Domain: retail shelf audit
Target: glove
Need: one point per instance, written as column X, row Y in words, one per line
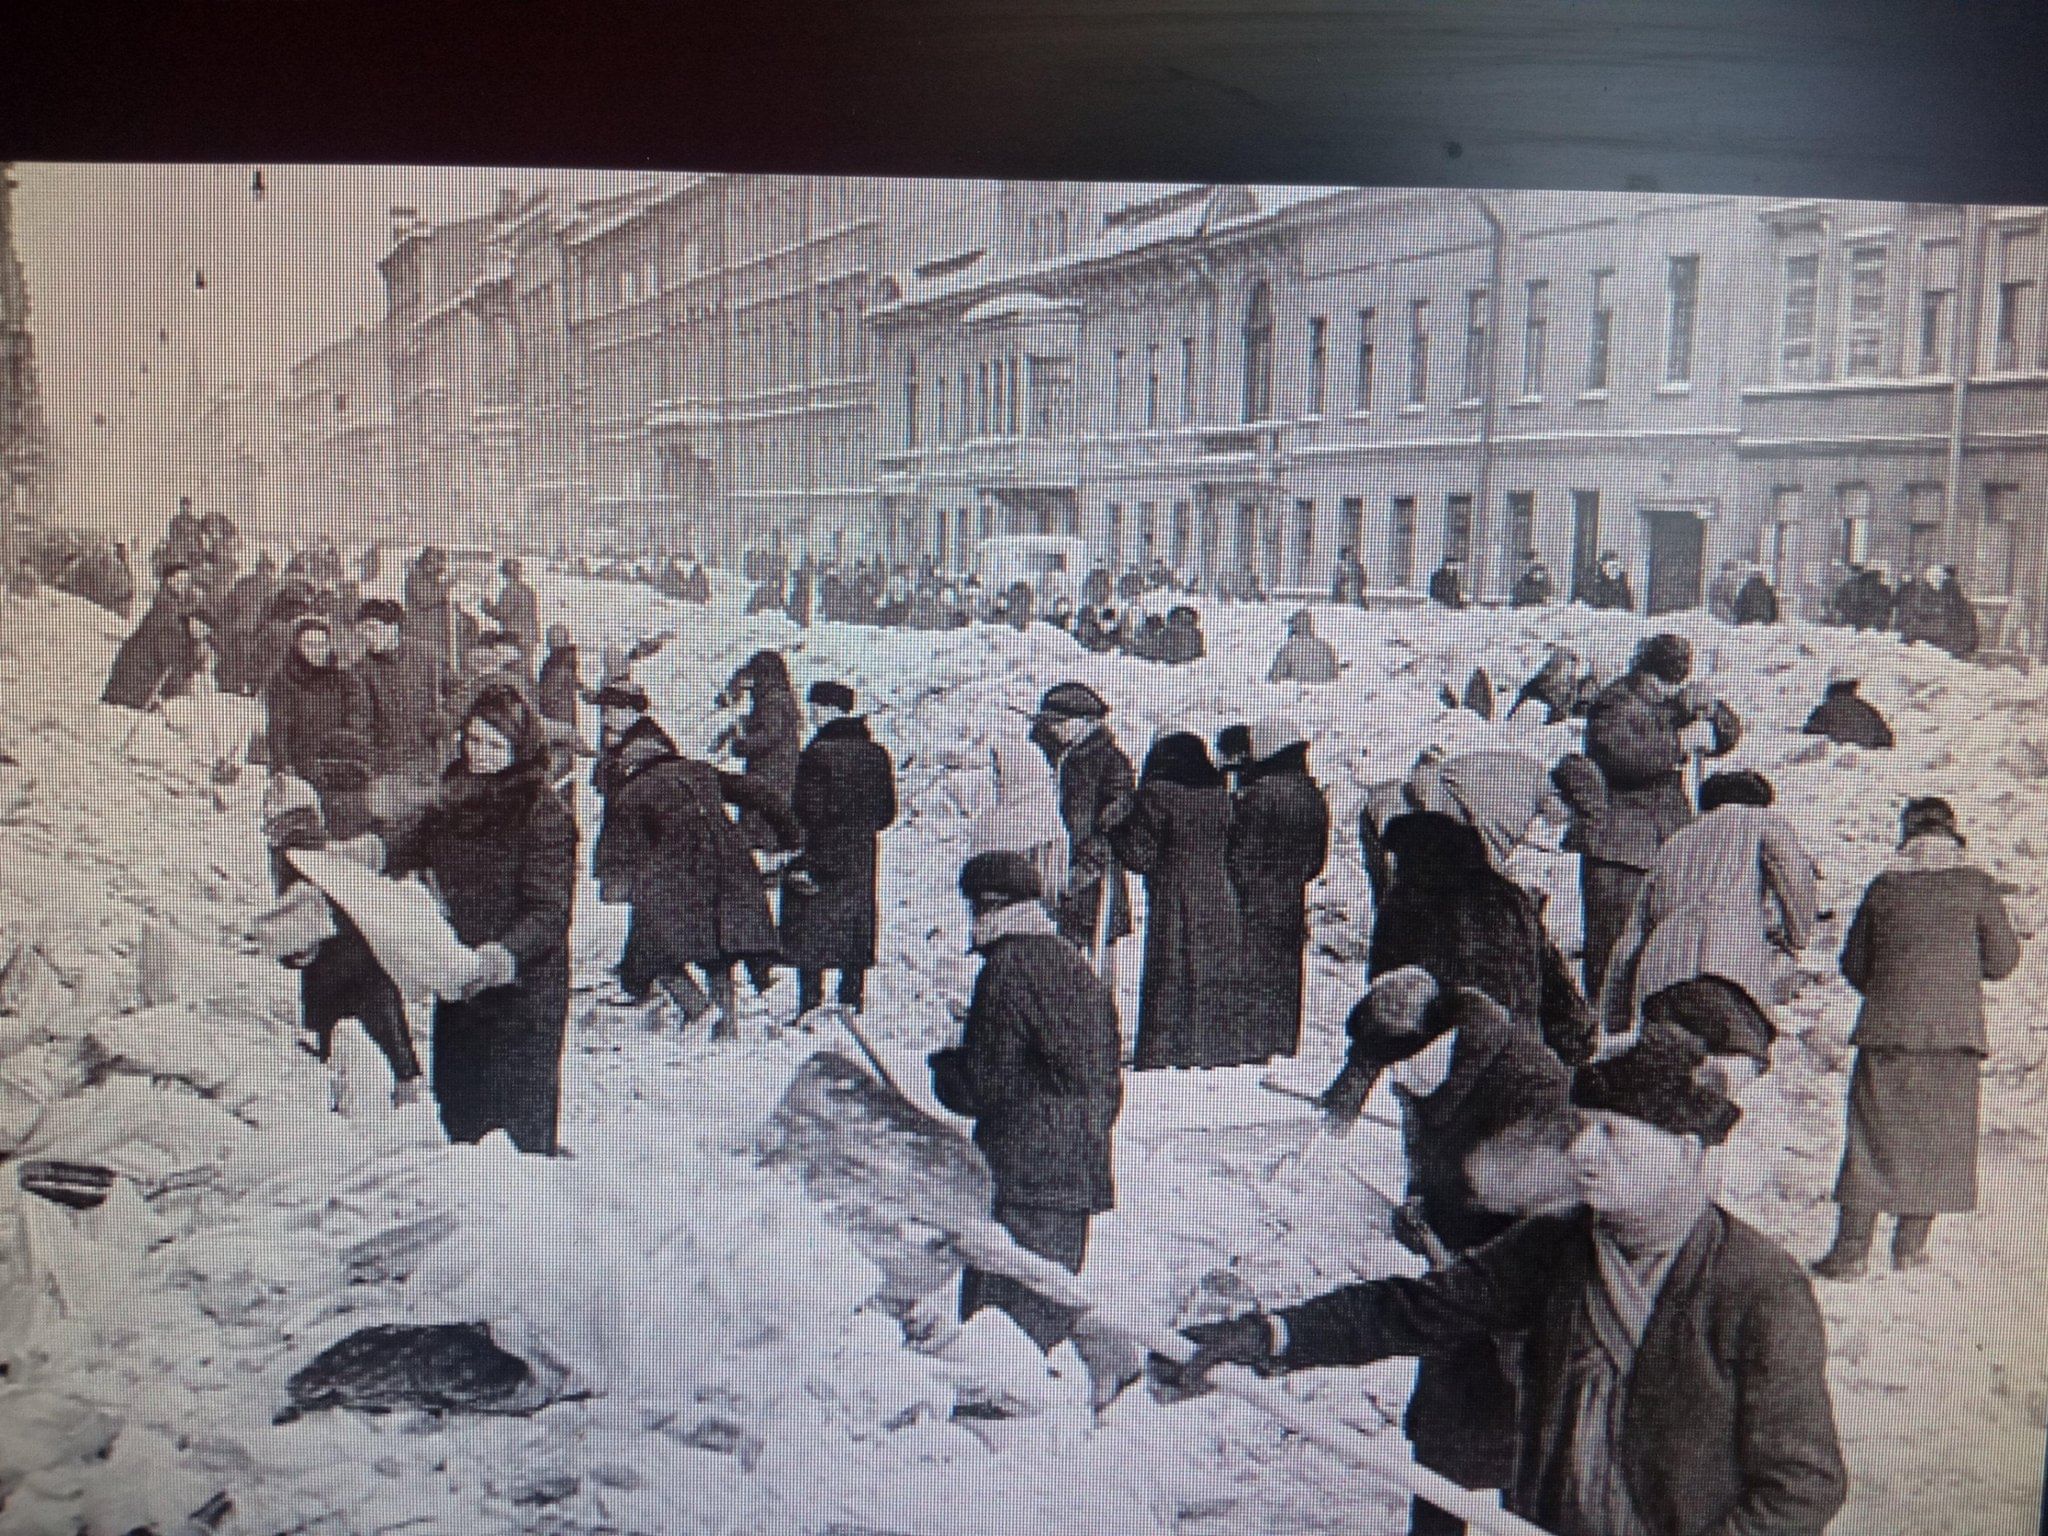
column 495, row 968
column 1244, row 1340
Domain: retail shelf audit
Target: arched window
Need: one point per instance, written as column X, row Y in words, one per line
column 1258, row 355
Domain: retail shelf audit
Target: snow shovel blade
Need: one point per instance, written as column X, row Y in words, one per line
column 896, row 1180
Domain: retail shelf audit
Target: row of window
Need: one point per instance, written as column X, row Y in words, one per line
column 1800, row 550
column 1008, row 396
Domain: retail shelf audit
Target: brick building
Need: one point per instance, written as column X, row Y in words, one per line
column 336, row 422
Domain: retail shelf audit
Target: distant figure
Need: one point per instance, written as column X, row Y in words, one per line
column 1932, row 609
column 1606, row 586
column 1559, row 686
column 1305, row 657
column 1845, row 716
column 159, row 650
column 1347, row 582
column 1865, row 599
column 560, row 683
column 1723, row 590
column 1097, row 588
column 1447, row 585
column 1182, row 643
column 1757, row 601
column 517, row 609
column 1279, row 842
column 1533, row 588
column 429, row 606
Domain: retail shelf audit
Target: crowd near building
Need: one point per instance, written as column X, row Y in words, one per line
column 1259, row 386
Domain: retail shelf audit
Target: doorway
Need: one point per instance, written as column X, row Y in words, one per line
column 1677, row 544
column 1247, row 547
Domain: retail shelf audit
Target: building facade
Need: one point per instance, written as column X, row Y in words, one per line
column 337, row 437
column 24, row 439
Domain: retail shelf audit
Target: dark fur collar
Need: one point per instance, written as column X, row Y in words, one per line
column 851, row 728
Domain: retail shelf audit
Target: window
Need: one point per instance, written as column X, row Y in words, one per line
column 1148, row 531
column 1925, row 514
column 939, row 409
column 1798, row 316
column 1187, row 381
column 2014, row 300
column 1475, row 344
column 1012, row 418
column 1599, row 333
column 1997, row 566
column 966, row 405
column 1052, row 392
column 1585, row 536
column 1682, row 287
column 1418, row 351
column 1862, row 358
column 1854, row 503
column 995, row 398
column 1177, row 542
column 1318, row 363
column 1258, row 355
column 1351, row 524
column 1361, row 388
column 2013, row 319
column 1401, row 543
column 910, row 400
column 341, row 404
column 1457, row 527
column 1521, row 529
column 981, row 401
column 1113, row 535
column 1152, row 385
column 1116, row 389
column 1535, row 329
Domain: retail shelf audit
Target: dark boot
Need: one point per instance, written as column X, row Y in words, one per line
column 1849, row 1259
column 1909, row 1242
column 853, row 988
column 810, row 991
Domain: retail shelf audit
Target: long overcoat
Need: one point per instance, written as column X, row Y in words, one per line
column 1279, row 841
column 1727, row 1424
column 1633, row 739
column 502, row 851
column 1191, row 996
column 154, row 655
column 1036, row 1069
column 318, row 724
column 406, row 724
column 1093, row 775
column 845, row 796
column 769, row 741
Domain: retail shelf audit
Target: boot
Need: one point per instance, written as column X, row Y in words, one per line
column 1849, row 1258
column 1909, row 1242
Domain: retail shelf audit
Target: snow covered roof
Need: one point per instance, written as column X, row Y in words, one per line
column 1018, row 306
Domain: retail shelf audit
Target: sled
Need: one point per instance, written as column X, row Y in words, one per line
column 914, row 1194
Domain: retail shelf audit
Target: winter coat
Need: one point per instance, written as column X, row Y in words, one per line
column 845, row 796
column 502, row 851
column 1305, row 659
column 1499, row 794
column 1453, row 915
column 1731, row 896
column 1943, row 618
column 241, row 616
column 429, row 599
column 1447, row 588
column 1633, row 740
column 1600, row 590
column 1727, row 1424
column 1865, row 601
column 1532, row 589
column 319, row 724
column 1191, row 996
column 668, row 847
column 1923, row 943
column 1182, row 642
column 560, row 685
column 769, row 741
column 1722, row 592
column 1279, row 841
column 1093, row 774
column 1757, row 602
column 406, row 724
column 1037, row 1071
column 154, row 657
column 1845, row 716
column 517, row 612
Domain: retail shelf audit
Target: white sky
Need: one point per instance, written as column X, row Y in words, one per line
column 111, row 252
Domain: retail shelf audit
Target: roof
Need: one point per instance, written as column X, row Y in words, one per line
column 1017, row 306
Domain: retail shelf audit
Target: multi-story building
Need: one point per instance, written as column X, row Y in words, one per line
column 237, row 440
column 24, row 441
column 336, row 422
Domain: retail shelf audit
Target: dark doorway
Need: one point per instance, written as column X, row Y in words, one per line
column 1247, row 550
column 1585, row 536
column 1677, row 546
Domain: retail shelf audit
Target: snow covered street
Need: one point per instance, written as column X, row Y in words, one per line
column 721, row 1372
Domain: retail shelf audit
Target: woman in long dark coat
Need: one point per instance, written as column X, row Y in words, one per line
column 501, row 847
column 1173, row 829
column 1279, row 842
column 1930, row 932
column 845, row 796
column 318, row 720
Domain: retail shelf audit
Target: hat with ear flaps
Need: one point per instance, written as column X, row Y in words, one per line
column 1655, row 1080
column 1930, row 816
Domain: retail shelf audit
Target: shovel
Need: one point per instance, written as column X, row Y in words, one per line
column 914, row 1194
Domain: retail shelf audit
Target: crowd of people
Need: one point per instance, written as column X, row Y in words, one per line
column 1601, row 1340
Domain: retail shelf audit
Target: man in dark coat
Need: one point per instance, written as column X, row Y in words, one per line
column 1447, row 585
column 1933, row 609
column 318, row 726
column 669, row 850
column 517, row 609
column 845, row 796
column 1533, row 588
column 1756, row 601
column 430, row 606
column 158, row 650
column 1183, row 642
column 241, row 616
column 1674, row 1374
column 560, row 685
column 406, row 694
column 1468, row 1080
column 1640, row 732
column 1279, row 842
column 1865, row 599
column 1606, row 585
column 1348, row 580
column 1036, row 1070
column 1093, row 772
column 1845, row 716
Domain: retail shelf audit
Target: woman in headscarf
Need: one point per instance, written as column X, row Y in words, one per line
column 1023, row 811
column 501, row 849
column 1174, row 830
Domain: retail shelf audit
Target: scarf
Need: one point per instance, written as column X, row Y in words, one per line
column 1018, row 919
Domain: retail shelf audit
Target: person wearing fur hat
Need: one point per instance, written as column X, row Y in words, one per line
column 1036, row 1070
column 1728, row 900
column 1640, row 732
column 845, row 798
column 405, row 686
column 1173, row 830
column 1305, row 657
column 1674, row 1362
column 1930, row 931
column 1279, row 842
column 668, row 850
column 1845, row 716
column 501, row 848
column 1072, row 728
column 318, row 724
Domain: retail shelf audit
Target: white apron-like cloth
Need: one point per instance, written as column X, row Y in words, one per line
column 1023, row 813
